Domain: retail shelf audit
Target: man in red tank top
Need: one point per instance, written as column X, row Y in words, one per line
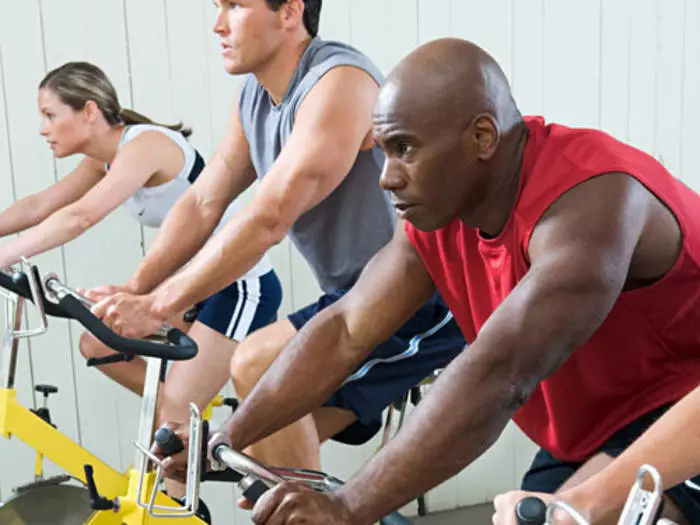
column 571, row 262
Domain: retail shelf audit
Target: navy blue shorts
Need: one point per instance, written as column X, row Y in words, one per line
column 547, row 474
column 243, row 307
column 426, row 342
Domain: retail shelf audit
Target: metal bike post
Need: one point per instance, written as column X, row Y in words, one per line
column 148, row 405
column 10, row 346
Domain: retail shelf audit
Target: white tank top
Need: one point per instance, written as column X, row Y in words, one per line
column 149, row 206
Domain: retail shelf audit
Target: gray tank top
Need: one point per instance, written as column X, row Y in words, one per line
column 342, row 233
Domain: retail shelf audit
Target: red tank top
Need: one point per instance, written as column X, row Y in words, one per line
column 643, row 355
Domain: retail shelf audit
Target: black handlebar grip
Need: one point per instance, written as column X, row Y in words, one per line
column 255, row 491
column 168, row 442
column 531, row 511
column 16, row 283
column 185, row 347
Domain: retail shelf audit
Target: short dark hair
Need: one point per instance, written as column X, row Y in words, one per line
column 312, row 13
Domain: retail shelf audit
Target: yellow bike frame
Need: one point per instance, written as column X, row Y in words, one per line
column 20, row 422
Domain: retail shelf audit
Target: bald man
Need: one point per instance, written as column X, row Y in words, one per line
column 570, row 261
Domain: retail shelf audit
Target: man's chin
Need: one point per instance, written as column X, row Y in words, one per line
column 234, row 68
column 426, row 224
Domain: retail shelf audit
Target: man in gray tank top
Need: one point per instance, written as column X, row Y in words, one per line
column 302, row 125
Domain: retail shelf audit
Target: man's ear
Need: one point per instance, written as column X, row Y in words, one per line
column 292, row 12
column 486, row 135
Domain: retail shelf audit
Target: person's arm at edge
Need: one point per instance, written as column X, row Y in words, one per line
column 670, row 445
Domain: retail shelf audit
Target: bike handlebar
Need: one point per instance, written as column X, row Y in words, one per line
column 181, row 346
column 531, row 511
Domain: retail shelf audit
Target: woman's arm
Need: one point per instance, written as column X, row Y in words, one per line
column 31, row 210
column 135, row 164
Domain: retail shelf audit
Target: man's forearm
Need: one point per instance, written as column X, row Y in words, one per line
column 302, row 378
column 225, row 258
column 183, row 233
column 462, row 416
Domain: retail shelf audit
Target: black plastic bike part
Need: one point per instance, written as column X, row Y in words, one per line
column 47, row 390
column 416, row 395
column 18, row 283
column 255, row 491
column 44, row 414
column 231, row 402
column 222, row 476
column 531, row 511
column 114, row 358
column 422, row 505
column 71, row 308
column 190, row 316
column 97, row 502
column 168, row 442
column 185, row 348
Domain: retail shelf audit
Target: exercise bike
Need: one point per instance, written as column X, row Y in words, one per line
column 91, row 492
column 73, row 498
column 642, row 507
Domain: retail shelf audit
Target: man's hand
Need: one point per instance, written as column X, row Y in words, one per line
column 98, row 293
column 291, row 503
column 129, row 315
column 175, row 466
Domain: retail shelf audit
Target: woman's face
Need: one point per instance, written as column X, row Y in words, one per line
column 65, row 129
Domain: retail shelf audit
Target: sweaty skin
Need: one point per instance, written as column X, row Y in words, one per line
column 454, row 141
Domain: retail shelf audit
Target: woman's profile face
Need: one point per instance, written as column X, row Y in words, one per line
column 65, row 129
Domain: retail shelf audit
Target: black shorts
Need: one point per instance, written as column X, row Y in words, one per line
column 428, row 341
column 547, row 474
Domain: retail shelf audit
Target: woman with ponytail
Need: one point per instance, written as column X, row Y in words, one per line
column 130, row 161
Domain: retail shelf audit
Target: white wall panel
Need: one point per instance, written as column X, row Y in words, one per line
column 33, row 169
column 527, row 75
column 642, row 71
column 614, row 67
column 572, row 62
column 487, row 24
column 669, row 83
column 690, row 135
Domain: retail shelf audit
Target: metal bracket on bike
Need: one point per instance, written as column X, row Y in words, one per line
column 194, row 463
column 558, row 505
column 55, row 290
column 642, row 506
column 37, row 298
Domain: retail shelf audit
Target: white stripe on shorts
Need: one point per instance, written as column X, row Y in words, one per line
column 236, row 309
column 250, row 307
